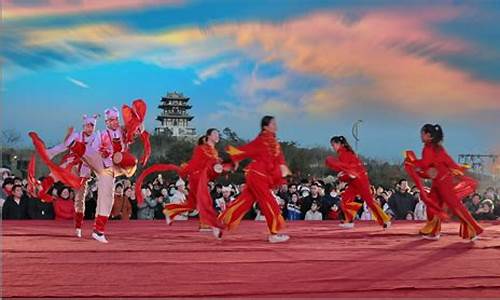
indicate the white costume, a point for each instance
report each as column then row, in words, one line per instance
column 82, row 169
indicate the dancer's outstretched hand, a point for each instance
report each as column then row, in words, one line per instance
column 285, row 171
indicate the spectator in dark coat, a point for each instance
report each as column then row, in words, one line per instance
column 314, row 196
column 39, row 210
column 16, row 205
column 7, row 185
column 485, row 211
column 474, row 203
column 401, row 202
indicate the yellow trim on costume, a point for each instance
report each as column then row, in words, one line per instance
column 351, row 209
column 385, row 217
column 471, row 231
column 432, row 227
column 232, row 151
column 228, row 215
column 175, row 211
column 274, row 226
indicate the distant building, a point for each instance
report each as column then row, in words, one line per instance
column 174, row 118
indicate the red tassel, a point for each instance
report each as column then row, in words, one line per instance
column 153, row 169
column 66, row 176
column 47, row 182
column 32, row 181
column 147, row 148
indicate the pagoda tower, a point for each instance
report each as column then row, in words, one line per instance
column 174, row 118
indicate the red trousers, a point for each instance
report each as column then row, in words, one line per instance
column 257, row 189
column 442, row 191
column 198, row 198
column 361, row 188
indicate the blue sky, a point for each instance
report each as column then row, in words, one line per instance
column 317, row 65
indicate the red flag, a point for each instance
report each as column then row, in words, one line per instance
column 32, row 181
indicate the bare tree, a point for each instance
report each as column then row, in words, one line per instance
column 230, row 135
column 10, row 137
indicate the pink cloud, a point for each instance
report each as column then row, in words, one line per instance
column 393, row 50
column 15, row 9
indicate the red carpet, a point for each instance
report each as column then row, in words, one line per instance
column 149, row 259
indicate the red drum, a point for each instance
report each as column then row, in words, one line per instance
column 78, row 149
column 124, row 160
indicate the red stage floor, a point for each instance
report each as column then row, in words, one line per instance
column 149, row 259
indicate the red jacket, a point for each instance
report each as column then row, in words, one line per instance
column 435, row 156
column 204, row 156
column 265, row 152
column 348, row 163
column 64, row 209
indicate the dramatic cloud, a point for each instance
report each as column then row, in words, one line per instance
column 387, row 57
column 382, row 58
column 36, row 8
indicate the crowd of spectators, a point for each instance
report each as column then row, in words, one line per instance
column 309, row 200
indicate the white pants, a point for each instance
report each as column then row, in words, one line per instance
column 105, row 181
column 105, row 192
column 80, row 195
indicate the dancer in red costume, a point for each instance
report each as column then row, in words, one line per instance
column 114, row 158
column 75, row 144
column 352, row 171
column 437, row 165
column 267, row 170
column 205, row 165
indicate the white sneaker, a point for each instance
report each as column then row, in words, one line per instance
column 168, row 220
column 475, row 238
column 217, row 233
column 431, row 237
column 387, row 225
column 278, row 238
column 99, row 237
column 205, row 229
column 78, row 232
column 347, row 225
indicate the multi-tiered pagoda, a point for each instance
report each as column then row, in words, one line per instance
column 175, row 117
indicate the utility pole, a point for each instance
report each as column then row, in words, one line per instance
column 355, row 133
